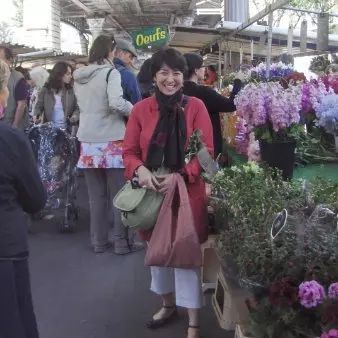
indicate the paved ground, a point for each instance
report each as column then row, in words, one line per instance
column 78, row 294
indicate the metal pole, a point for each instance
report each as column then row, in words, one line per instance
column 220, row 63
column 268, row 62
column 225, row 63
column 289, row 8
column 290, row 40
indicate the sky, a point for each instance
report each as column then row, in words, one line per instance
column 7, row 10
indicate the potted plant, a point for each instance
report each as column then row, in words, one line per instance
column 272, row 112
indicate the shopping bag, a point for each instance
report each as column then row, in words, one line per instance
column 174, row 242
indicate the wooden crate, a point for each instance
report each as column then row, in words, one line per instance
column 242, row 332
column 211, row 264
column 229, row 302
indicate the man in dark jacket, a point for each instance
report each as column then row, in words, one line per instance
column 214, row 102
column 125, row 53
column 21, row 191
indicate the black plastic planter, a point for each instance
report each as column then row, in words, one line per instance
column 280, row 155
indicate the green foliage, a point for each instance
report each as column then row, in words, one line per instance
column 246, row 198
column 314, row 148
column 266, row 132
column 19, row 10
column 319, row 64
column 6, row 34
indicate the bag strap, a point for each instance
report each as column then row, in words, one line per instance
column 108, row 74
column 184, row 101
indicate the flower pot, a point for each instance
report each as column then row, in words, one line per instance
column 280, row 155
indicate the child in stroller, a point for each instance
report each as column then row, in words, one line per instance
column 56, row 155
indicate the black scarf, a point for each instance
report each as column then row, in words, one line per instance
column 168, row 141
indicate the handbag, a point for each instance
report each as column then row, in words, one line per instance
column 139, row 207
column 174, row 241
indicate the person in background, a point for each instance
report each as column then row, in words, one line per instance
column 57, row 102
column 214, row 102
column 210, row 76
column 21, row 191
column 80, row 64
column 16, row 112
column 101, row 133
column 27, row 77
column 162, row 116
column 145, row 80
column 39, row 76
column 72, row 63
column 125, row 54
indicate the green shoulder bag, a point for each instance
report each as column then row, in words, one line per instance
column 139, row 207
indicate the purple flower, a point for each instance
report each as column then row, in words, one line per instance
column 311, row 294
column 331, row 334
column 333, row 291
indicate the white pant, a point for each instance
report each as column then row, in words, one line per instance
column 186, row 284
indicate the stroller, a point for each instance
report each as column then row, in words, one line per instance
column 56, row 155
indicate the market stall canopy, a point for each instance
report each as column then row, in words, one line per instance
column 46, row 58
column 258, row 34
column 19, row 49
column 201, row 39
column 122, row 17
column 188, row 39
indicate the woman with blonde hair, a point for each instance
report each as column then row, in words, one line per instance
column 39, row 77
column 21, row 191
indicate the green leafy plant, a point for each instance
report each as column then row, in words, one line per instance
column 246, row 200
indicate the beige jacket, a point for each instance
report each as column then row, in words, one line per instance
column 102, row 106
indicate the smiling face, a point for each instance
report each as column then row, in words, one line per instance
column 168, row 80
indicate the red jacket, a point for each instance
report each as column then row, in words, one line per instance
column 140, row 128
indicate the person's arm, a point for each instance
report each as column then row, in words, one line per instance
column 21, row 94
column 75, row 112
column 132, row 87
column 203, row 123
column 216, row 103
column 115, row 94
column 131, row 145
column 31, row 193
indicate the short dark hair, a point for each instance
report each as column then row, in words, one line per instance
column 194, row 61
column 58, row 72
column 9, row 55
column 24, row 72
column 102, row 46
column 170, row 57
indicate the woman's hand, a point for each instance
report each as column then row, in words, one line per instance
column 36, row 119
column 146, row 179
column 165, row 182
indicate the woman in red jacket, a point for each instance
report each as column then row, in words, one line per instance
column 157, row 135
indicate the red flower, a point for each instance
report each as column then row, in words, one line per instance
column 330, row 314
column 283, row 293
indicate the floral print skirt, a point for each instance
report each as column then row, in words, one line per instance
column 101, row 155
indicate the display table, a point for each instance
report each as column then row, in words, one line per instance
column 327, row 170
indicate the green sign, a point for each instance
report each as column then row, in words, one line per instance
column 157, row 35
